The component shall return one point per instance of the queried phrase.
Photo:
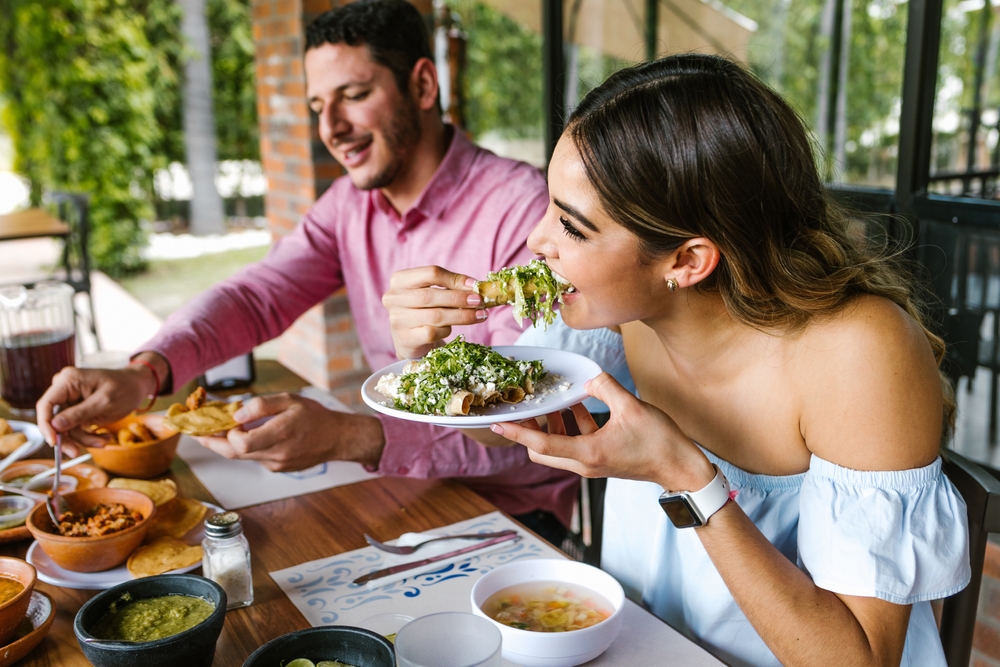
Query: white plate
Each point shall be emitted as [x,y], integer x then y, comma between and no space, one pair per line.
[574,369]
[51,573]
[32,432]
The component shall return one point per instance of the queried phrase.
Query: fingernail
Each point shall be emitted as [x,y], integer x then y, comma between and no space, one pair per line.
[474,299]
[59,424]
[496,428]
[481,315]
[470,282]
[241,415]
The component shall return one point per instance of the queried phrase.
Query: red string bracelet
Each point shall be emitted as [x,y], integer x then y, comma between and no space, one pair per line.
[156,376]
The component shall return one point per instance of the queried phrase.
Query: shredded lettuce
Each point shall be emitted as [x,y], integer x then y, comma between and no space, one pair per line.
[427,386]
[532,289]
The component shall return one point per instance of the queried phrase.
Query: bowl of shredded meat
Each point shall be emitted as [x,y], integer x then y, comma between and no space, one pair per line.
[100,530]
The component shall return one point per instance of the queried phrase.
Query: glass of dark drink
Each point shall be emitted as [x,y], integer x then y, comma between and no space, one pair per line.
[37,339]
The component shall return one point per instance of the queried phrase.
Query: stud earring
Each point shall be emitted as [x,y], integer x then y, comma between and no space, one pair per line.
[671,284]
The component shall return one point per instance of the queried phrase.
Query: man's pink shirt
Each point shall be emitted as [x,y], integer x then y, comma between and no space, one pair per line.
[472,217]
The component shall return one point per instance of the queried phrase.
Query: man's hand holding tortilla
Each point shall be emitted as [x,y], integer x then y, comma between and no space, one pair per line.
[299,434]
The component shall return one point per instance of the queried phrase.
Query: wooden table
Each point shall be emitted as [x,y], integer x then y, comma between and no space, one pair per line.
[31,223]
[288,532]
[281,534]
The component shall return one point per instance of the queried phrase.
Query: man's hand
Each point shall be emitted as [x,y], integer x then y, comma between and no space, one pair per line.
[300,433]
[92,396]
[422,314]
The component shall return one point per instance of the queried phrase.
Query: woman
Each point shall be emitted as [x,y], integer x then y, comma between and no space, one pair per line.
[770,347]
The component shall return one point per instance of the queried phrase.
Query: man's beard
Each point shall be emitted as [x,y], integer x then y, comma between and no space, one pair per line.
[401,135]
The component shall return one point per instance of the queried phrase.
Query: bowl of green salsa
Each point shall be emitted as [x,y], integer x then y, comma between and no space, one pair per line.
[169,619]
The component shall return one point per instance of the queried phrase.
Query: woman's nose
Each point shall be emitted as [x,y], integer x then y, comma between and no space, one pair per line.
[540,240]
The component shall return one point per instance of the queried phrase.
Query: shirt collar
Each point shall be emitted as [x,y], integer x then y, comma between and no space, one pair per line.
[440,190]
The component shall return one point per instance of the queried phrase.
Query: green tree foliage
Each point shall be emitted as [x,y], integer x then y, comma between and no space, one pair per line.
[81,107]
[93,103]
[503,75]
[234,79]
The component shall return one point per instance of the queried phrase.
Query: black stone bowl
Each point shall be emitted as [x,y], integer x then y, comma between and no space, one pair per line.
[192,648]
[355,646]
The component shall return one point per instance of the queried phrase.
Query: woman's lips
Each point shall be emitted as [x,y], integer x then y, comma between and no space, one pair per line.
[569,288]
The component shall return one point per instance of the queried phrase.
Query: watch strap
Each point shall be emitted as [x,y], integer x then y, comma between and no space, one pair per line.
[711,498]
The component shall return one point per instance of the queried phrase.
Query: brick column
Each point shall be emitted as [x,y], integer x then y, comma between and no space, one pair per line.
[322,345]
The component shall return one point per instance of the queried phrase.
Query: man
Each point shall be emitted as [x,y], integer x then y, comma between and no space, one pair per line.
[416,193]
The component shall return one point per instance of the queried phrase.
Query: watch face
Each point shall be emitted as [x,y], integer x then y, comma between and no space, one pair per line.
[679,512]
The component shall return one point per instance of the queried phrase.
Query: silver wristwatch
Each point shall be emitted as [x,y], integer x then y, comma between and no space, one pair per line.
[690,509]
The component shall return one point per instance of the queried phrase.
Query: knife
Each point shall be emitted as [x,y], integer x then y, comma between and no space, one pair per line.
[384,572]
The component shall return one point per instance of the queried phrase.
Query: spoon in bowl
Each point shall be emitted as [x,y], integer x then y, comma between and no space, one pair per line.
[55,504]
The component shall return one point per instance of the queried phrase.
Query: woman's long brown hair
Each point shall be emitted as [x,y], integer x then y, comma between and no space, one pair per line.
[694,145]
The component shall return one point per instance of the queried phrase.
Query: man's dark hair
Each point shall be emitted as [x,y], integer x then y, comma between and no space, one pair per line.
[393,30]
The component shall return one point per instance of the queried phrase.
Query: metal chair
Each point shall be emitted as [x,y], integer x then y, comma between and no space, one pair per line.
[74,210]
[981,492]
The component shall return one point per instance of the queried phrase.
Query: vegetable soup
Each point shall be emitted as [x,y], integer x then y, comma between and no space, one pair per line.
[9,589]
[547,606]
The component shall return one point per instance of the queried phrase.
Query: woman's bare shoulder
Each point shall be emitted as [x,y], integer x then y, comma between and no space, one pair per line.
[872,394]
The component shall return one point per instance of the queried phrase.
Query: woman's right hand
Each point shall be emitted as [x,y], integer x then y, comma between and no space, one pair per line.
[89,396]
[424,304]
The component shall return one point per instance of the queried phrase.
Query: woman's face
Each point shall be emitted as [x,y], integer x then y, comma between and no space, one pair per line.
[597,255]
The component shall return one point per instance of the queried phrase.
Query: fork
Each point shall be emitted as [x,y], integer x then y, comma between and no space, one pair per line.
[404,551]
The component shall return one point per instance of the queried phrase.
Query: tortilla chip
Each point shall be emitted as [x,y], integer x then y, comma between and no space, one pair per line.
[211,418]
[161,492]
[162,555]
[5,427]
[176,409]
[176,518]
[10,442]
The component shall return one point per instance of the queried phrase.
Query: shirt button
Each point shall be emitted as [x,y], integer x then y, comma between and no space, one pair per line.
[402,238]
[402,470]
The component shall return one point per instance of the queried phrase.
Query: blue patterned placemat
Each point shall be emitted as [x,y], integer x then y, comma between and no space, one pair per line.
[323,592]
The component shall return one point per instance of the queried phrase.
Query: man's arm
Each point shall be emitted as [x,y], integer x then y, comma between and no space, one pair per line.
[253,306]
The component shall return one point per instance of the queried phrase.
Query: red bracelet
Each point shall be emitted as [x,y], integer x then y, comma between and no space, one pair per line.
[156,376]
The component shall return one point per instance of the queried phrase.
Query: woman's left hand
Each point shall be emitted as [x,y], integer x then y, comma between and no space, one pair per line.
[639,442]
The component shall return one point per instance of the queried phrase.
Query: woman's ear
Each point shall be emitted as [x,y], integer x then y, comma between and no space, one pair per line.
[424,84]
[693,262]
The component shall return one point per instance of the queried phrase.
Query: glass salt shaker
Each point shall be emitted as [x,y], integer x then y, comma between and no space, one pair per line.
[227,558]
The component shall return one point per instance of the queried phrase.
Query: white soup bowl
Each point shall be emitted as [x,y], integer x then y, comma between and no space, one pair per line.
[553,649]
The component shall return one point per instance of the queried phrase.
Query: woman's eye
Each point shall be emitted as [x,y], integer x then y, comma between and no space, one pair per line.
[571,230]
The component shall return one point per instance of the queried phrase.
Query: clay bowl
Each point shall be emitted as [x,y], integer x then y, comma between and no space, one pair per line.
[86,476]
[141,461]
[92,554]
[12,611]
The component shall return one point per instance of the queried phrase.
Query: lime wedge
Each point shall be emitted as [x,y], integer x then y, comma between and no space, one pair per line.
[300,662]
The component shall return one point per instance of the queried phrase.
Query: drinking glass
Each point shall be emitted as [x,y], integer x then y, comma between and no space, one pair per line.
[37,339]
[450,639]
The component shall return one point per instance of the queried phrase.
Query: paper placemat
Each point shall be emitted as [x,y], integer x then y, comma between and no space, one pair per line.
[322,591]
[236,484]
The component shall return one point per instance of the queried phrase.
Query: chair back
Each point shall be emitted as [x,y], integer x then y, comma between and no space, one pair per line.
[981,492]
[74,209]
